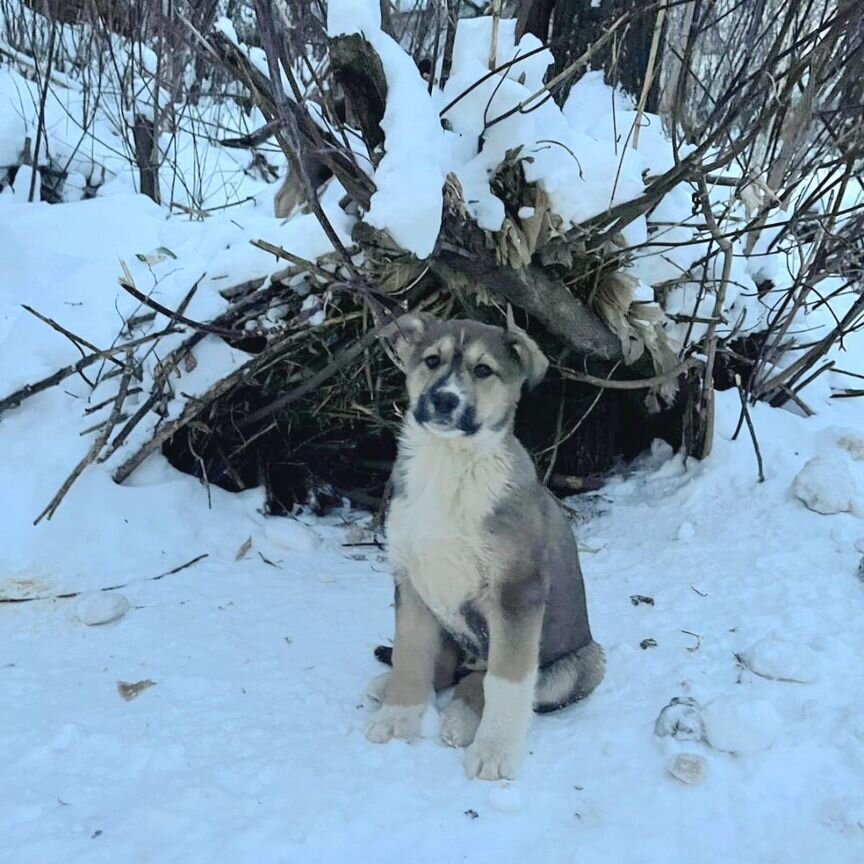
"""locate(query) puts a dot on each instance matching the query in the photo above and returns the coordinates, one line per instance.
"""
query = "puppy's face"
(464, 377)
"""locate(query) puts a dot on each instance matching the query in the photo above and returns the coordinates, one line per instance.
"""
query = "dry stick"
(96, 446)
(94, 408)
(810, 378)
(449, 40)
(279, 252)
(649, 73)
(13, 400)
(78, 341)
(43, 98)
(70, 594)
(706, 401)
(745, 413)
(560, 440)
(339, 362)
(177, 316)
(631, 383)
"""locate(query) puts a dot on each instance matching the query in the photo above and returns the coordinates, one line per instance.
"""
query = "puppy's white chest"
(437, 532)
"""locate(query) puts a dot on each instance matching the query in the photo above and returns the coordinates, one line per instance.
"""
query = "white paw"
(492, 759)
(396, 721)
(459, 723)
(377, 688)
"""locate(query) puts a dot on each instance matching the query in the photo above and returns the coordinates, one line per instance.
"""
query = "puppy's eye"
(433, 361)
(481, 370)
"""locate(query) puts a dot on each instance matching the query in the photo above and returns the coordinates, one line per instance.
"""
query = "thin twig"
(745, 413)
(95, 447)
(632, 383)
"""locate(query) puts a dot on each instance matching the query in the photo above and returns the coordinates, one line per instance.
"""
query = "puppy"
(489, 591)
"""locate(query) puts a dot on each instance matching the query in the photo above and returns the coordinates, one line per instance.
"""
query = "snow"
(250, 742)
(409, 211)
(100, 608)
(826, 485)
(243, 735)
(776, 658)
(740, 724)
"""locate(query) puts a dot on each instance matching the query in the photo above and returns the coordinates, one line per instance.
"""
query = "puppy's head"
(464, 377)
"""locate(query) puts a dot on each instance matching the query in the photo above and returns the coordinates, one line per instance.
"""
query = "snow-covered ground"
(249, 746)
(220, 717)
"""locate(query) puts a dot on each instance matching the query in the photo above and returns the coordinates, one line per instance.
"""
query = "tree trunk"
(577, 24)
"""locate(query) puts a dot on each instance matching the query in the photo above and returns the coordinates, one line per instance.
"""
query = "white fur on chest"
(436, 530)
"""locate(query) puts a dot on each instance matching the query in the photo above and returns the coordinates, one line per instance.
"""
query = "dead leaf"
(243, 551)
(132, 691)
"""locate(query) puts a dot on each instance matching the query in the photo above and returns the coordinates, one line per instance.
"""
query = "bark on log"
(146, 157)
(546, 299)
(358, 71)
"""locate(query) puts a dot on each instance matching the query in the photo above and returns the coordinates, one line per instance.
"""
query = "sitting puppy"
(488, 586)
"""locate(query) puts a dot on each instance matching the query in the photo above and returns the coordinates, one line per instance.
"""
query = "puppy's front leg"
(415, 649)
(514, 647)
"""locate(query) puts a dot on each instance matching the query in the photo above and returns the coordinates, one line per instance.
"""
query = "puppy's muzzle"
(444, 403)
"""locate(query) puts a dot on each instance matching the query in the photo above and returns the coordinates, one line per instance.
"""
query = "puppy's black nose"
(444, 402)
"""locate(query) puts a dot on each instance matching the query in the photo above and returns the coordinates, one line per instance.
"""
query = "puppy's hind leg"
(460, 719)
(416, 649)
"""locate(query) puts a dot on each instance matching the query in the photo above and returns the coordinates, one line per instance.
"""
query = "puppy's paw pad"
(491, 759)
(459, 723)
(396, 721)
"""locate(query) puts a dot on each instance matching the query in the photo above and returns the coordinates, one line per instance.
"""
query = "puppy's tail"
(569, 678)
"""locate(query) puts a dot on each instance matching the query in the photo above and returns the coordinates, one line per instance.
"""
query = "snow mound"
(739, 724)
(780, 660)
(292, 535)
(825, 486)
(101, 608)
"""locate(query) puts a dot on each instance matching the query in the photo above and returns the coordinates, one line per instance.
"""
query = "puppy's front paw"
(459, 724)
(492, 759)
(396, 721)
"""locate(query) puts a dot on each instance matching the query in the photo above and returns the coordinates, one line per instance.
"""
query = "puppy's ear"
(531, 358)
(408, 331)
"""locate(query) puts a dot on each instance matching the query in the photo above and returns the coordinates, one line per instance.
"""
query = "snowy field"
(219, 715)
(249, 744)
